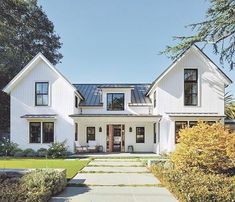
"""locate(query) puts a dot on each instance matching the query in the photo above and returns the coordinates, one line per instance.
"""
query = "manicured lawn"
(72, 165)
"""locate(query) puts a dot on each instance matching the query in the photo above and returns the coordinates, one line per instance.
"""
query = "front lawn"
(72, 166)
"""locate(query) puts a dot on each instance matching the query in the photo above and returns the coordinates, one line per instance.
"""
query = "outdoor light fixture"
(100, 129)
(130, 129)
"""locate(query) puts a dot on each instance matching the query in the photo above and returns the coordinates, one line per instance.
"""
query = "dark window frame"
(37, 94)
(154, 133)
(177, 132)
(154, 99)
(43, 135)
(186, 82)
(30, 133)
(76, 132)
(76, 101)
(87, 135)
(143, 138)
(116, 109)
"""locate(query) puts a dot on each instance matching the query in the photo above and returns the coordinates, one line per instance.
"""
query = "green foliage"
(25, 30)
(195, 185)
(217, 30)
(7, 147)
(42, 152)
(57, 149)
(229, 106)
(38, 185)
(204, 147)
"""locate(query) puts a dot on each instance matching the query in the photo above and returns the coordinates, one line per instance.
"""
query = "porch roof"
(185, 114)
(116, 115)
(39, 116)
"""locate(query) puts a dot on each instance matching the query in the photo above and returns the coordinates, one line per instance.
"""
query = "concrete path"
(125, 181)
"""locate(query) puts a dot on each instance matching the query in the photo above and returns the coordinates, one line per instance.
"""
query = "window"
(115, 101)
(178, 126)
(35, 132)
(76, 101)
(154, 133)
(139, 134)
(90, 134)
(41, 93)
(192, 123)
(190, 87)
(48, 132)
(41, 132)
(76, 132)
(154, 99)
(210, 122)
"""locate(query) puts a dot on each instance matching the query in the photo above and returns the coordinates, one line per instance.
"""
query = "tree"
(217, 30)
(229, 106)
(25, 30)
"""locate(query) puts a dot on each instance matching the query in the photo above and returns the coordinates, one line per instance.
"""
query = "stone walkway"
(105, 180)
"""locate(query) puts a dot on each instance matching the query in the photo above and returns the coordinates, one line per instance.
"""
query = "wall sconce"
(130, 129)
(100, 129)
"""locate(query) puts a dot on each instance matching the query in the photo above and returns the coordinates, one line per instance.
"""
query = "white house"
(46, 107)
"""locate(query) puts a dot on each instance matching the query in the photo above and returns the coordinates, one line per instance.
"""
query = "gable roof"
(195, 47)
(92, 93)
(8, 88)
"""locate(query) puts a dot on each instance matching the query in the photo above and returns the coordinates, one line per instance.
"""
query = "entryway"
(115, 138)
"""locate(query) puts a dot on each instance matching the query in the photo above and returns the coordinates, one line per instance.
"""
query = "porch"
(117, 132)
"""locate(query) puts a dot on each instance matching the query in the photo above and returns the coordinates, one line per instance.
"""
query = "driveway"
(105, 180)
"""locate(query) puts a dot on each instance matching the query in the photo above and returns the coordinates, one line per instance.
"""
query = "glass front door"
(117, 138)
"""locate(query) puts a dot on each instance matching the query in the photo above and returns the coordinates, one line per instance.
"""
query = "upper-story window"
(115, 101)
(190, 87)
(76, 101)
(41, 93)
(154, 99)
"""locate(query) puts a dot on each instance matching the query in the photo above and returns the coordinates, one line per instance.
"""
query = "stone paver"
(115, 194)
(116, 186)
(114, 179)
(116, 163)
(116, 169)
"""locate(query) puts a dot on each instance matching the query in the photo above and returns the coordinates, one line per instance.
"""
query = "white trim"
(7, 89)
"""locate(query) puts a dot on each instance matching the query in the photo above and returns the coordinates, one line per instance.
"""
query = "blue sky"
(119, 40)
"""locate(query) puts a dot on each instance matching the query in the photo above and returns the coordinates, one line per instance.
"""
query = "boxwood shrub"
(194, 185)
(38, 185)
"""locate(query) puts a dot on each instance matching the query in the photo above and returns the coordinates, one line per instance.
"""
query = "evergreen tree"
(25, 30)
(218, 30)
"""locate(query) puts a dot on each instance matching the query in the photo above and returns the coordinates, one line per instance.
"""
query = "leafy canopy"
(217, 30)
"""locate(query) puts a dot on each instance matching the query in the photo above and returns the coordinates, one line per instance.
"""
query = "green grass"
(72, 166)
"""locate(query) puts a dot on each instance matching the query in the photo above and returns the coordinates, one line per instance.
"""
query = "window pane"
(35, 132)
(154, 133)
(48, 132)
(178, 126)
(39, 100)
(139, 134)
(190, 74)
(115, 101)
(45, 100)
(192, 123)
(90, 133)
(76, 132)
(45, 88)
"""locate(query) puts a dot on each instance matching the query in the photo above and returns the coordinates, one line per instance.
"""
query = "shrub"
(7, 147)
(42, 184)
(195, 185)
(42, 152)
(205, 147)
(57, 150)
(30, 152)
(19, 154)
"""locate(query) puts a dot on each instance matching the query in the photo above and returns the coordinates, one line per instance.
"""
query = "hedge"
(195, 185)
(38, 185)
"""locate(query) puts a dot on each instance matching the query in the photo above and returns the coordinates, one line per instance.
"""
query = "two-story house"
(46, 107)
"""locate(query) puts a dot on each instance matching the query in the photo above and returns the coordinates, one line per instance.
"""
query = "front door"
(115, 138)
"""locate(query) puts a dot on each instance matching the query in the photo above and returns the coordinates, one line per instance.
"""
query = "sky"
(119, 40)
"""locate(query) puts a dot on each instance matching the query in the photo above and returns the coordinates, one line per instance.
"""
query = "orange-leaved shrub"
(206, 147)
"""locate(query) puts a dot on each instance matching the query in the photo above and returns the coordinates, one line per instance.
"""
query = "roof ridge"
(112, 83)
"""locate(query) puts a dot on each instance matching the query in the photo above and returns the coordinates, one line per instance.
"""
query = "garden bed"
(36, 185)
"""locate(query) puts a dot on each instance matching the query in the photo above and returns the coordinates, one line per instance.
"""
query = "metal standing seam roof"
(92, 93)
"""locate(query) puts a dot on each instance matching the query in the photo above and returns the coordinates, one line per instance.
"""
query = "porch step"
(115, 169)
(117, 163)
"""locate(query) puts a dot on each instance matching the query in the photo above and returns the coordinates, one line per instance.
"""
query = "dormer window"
(41, 94)
(76, 101)
(115, 101)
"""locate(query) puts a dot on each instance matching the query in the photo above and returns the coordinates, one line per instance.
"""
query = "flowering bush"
(7, 147)
(57, 149)
(206, 147)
